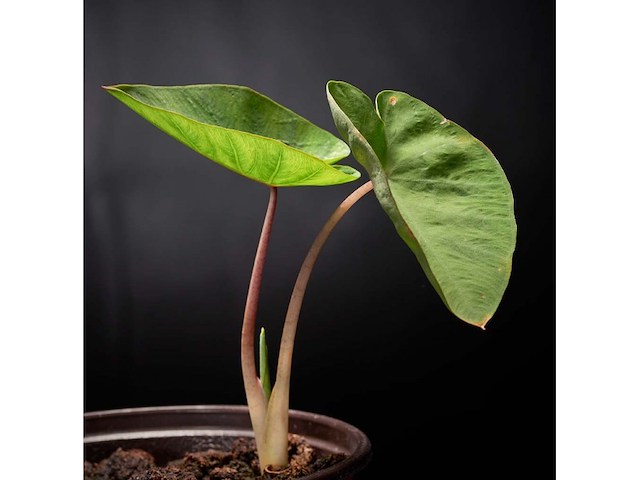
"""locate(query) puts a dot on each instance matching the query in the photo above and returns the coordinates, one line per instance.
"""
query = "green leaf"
(243, 131)
(445, 192)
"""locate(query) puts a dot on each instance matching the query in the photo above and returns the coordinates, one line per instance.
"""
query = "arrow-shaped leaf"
(443, 189)
(243, 131)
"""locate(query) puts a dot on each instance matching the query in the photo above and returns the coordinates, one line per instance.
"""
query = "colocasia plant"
(442, 188)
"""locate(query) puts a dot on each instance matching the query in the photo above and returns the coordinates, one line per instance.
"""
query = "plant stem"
(256, 399)
(277, 420)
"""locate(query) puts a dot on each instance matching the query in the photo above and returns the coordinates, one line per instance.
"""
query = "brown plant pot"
(168, 432)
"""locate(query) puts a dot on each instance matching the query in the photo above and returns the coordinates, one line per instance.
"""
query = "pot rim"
(355, 461)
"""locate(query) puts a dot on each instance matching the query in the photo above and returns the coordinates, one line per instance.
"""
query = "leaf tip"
(110, 88)
(485, 320)
(480, 323)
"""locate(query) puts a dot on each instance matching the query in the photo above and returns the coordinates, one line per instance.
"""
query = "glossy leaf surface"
(445, 192)
(243, 131)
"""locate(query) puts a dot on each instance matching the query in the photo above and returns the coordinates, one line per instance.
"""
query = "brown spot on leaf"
(393, 100)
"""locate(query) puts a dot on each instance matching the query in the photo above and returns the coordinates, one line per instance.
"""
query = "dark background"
(170, 236)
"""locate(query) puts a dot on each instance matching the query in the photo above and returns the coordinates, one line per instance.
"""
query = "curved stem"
(256, 399)
(277, 421)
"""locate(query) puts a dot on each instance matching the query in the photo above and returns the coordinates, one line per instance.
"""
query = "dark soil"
(241, 463)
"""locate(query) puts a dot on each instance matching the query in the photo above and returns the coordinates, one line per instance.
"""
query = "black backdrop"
(170, 236)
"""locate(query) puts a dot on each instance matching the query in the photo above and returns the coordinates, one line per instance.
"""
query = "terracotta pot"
(168, 432)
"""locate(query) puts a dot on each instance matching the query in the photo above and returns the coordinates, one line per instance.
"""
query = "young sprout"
(265, 379)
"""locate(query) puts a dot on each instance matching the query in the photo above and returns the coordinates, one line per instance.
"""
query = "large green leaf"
(244, 131)
(443, 189)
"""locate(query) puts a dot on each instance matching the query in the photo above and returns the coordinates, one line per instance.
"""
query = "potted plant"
(444, 191)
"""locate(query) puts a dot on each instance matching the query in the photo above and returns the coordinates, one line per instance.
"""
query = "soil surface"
(241, 463)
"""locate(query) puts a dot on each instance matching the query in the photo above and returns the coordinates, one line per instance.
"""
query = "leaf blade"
(448, 198)
(243, 131)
